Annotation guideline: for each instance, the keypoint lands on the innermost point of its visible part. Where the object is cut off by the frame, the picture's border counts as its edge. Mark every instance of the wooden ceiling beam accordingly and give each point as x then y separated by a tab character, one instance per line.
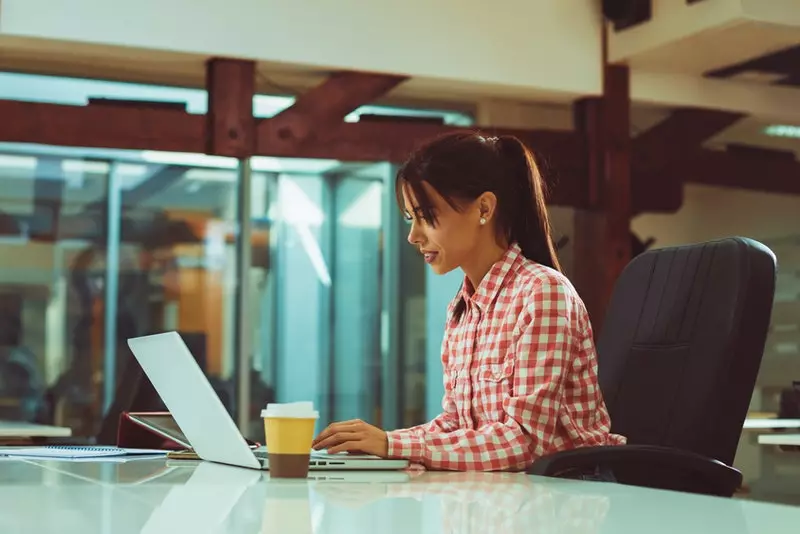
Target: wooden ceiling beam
663	158
323	107
772	171
230	127
684	129
654	186
121	126
559	153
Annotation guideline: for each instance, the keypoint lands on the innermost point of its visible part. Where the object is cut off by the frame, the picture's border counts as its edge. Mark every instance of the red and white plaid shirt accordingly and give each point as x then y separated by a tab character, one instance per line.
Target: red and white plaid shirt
520	376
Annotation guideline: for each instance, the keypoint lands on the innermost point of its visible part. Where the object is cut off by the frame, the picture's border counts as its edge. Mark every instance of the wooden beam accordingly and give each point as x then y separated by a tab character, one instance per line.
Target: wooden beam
323	107
102	126
557	151
602	233
685	129
230	126
589	223
616	173
753	169
655	191
654	187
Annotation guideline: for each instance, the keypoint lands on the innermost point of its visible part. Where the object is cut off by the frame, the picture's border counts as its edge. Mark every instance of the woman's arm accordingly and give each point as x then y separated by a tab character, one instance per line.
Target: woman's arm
545	352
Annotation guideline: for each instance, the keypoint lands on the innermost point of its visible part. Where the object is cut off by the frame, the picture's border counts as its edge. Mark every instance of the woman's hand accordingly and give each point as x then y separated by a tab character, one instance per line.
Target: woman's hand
353	436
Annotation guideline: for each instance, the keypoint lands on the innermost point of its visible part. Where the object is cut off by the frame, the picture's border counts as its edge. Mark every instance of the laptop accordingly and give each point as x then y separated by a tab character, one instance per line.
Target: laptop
203	419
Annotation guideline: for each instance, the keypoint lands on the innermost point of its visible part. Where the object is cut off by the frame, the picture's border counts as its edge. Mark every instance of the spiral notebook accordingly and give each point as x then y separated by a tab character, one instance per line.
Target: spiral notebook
77	451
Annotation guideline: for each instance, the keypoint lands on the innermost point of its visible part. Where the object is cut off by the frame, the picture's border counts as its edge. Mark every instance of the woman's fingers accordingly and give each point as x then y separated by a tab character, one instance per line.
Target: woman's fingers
347	446
334	428
337	438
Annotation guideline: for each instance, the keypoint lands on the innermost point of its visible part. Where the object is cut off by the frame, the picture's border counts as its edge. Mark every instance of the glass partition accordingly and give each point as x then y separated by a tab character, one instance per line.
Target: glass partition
319	280
95	251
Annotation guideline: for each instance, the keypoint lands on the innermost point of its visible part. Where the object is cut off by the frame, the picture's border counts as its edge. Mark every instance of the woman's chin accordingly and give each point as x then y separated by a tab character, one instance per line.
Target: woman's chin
440	268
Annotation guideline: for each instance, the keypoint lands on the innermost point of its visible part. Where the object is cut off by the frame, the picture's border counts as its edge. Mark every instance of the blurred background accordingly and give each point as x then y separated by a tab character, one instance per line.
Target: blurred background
232	178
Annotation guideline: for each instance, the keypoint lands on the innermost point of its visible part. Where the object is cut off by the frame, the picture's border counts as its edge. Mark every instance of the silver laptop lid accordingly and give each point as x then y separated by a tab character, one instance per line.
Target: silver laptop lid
191	400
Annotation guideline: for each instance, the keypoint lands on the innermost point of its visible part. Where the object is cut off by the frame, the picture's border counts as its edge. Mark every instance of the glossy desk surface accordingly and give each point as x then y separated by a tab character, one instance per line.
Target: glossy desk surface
189	497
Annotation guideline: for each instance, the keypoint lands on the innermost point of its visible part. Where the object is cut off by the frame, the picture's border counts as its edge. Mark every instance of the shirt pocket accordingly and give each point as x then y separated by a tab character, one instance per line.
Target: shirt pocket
496	371
493	385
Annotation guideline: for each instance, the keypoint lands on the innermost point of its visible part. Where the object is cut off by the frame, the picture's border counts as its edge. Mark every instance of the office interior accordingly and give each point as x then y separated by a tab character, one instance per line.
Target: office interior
323	299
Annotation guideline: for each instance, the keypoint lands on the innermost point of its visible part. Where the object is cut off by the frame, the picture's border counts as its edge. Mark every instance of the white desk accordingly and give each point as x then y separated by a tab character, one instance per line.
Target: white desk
17	429
779	439
154	496
770	424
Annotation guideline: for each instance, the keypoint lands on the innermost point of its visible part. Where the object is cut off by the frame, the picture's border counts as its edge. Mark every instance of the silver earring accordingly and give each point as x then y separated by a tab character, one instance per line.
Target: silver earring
483	220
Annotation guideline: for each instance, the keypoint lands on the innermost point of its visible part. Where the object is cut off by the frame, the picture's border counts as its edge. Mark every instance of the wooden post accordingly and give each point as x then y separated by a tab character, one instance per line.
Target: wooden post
589	224
602	232
230	125
616	188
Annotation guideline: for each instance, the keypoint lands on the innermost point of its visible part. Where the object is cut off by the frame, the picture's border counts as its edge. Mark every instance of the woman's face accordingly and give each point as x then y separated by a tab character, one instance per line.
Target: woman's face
452	241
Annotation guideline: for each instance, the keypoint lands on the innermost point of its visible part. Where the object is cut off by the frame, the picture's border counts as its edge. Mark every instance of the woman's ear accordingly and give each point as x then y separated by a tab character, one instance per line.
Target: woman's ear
487	206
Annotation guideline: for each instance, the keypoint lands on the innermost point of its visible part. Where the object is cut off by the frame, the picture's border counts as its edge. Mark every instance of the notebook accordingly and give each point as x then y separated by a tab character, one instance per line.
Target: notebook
76	451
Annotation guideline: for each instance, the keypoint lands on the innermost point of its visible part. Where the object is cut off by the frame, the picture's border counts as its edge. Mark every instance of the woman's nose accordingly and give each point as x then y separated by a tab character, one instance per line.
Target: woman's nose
414	235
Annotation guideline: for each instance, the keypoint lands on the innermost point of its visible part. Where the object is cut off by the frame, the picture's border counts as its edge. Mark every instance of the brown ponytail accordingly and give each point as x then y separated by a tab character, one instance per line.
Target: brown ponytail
527	220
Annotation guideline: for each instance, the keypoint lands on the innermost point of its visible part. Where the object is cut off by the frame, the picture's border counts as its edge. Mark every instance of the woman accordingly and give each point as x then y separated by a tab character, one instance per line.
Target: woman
518	353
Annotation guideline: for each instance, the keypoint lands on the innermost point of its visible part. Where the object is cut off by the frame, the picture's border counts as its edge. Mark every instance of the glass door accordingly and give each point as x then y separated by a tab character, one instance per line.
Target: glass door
317	292
355	381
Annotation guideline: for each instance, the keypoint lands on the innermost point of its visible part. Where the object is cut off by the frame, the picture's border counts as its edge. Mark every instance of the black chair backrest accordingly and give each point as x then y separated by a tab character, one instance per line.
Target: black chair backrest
682	344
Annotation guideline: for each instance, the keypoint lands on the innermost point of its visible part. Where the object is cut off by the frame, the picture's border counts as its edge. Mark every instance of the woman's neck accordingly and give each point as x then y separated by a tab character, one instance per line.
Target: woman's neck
482	260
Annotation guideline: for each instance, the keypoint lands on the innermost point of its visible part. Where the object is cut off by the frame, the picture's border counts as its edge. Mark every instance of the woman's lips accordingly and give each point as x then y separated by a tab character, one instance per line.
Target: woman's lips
430	256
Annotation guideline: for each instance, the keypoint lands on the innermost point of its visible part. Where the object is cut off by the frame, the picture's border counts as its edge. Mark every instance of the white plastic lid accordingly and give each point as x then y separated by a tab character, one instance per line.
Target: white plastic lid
294	410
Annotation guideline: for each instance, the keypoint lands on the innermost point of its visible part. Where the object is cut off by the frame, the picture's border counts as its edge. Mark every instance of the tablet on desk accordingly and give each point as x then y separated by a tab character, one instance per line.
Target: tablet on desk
162	424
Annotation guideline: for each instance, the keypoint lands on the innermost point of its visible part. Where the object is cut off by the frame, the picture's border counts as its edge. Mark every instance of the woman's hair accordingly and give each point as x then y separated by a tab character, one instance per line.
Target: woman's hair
462	166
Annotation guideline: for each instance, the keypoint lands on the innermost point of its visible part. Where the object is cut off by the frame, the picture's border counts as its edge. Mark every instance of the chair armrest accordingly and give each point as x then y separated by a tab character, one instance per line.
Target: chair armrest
646	465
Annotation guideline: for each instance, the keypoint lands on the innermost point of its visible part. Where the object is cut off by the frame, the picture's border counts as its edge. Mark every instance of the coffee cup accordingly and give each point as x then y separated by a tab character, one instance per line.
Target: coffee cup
289	430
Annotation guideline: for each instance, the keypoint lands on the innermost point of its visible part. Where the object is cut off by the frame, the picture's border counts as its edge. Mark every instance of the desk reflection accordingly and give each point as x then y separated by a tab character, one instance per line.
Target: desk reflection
154	497
460	503
227	499
204	503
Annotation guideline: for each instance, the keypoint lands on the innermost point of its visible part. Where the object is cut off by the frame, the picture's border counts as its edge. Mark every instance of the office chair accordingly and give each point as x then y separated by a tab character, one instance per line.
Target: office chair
678	358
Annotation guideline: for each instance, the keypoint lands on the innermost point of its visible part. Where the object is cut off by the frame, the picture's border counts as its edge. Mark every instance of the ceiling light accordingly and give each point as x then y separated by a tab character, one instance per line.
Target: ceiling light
298	165
84	166
783	130
190	159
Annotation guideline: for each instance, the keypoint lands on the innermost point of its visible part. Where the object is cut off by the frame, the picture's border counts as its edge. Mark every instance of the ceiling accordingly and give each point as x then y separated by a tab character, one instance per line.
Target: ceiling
719	51
747	131
780	67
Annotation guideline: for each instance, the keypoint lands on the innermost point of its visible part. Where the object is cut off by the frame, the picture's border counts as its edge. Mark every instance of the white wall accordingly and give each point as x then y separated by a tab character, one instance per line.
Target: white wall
773	11
461	40
715	212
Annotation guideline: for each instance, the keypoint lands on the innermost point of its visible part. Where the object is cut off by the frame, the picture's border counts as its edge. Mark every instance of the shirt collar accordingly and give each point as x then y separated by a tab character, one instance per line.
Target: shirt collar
487	290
